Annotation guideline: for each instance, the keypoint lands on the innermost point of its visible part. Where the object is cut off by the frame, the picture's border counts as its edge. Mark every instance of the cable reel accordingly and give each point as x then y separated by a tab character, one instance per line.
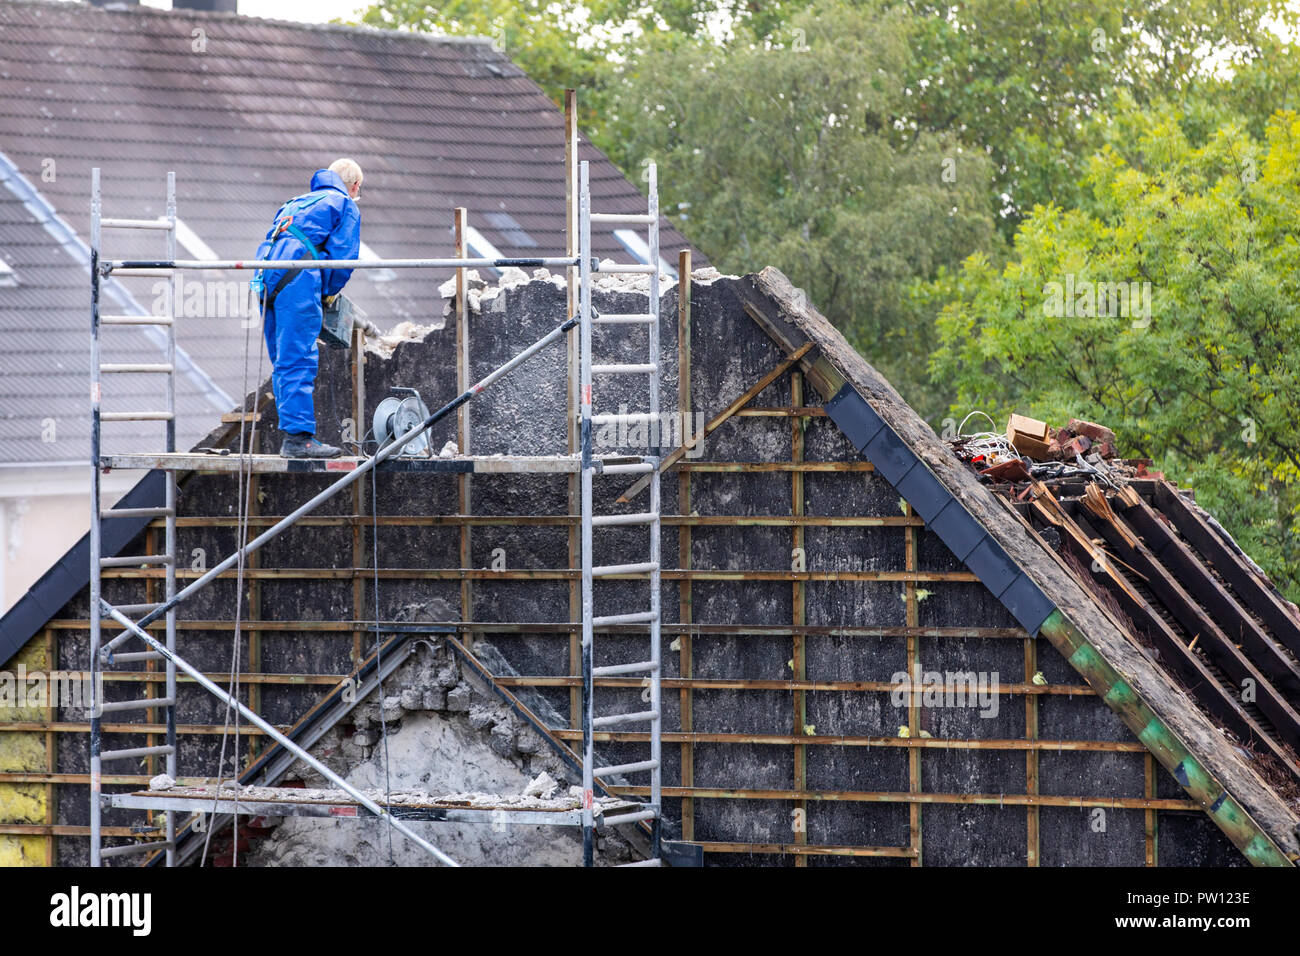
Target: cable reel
395	416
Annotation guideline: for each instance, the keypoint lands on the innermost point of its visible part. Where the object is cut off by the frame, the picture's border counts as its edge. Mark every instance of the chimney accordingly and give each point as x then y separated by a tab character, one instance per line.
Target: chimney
217	6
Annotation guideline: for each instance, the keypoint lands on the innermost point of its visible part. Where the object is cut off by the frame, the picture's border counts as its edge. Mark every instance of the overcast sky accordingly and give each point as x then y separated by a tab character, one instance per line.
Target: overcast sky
306	11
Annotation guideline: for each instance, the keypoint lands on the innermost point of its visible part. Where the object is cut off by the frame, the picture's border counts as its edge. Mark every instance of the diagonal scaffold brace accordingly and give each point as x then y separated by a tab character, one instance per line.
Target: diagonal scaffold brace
135	629
270	731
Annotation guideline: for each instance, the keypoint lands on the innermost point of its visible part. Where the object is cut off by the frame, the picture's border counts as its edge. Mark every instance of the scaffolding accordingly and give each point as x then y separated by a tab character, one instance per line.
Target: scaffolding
582	464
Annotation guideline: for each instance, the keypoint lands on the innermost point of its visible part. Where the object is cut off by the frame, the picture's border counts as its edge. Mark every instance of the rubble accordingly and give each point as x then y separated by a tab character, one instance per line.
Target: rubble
543	785
1030	449
1013	469
385	345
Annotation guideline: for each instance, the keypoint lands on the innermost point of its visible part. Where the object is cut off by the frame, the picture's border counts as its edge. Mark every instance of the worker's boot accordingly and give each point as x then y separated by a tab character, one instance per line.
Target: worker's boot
306	446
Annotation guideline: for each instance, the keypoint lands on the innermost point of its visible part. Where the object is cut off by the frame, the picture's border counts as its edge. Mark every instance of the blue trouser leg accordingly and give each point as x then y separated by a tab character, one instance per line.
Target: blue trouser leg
292	324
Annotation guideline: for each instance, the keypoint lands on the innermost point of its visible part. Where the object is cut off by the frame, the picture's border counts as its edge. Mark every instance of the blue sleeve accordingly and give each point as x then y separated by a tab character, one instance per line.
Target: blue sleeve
344	242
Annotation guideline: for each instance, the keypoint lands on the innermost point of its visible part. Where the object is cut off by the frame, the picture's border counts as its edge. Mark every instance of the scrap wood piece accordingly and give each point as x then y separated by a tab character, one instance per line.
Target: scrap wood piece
1013	469
1051	509
676	455
1095	500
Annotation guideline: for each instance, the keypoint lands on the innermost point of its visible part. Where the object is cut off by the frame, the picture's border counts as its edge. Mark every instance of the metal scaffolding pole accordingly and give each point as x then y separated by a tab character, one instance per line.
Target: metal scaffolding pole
96	683
169	478
115	265
584	437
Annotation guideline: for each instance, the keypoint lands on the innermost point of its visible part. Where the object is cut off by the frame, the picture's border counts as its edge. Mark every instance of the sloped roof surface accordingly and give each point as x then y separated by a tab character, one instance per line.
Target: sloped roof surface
244	110
45	361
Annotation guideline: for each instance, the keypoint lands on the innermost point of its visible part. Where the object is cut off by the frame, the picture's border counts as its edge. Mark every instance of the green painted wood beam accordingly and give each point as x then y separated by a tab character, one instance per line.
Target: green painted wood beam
1160	739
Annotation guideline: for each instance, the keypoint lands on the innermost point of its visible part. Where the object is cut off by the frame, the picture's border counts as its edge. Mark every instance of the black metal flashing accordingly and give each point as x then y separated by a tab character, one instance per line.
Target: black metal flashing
968	540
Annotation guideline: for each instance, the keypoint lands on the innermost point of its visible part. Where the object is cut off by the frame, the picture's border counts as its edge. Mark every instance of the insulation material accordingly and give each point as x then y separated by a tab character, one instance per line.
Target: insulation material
23	752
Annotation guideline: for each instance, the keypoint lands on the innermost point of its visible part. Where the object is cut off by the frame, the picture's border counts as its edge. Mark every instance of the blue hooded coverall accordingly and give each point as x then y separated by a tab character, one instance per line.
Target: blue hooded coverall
330	220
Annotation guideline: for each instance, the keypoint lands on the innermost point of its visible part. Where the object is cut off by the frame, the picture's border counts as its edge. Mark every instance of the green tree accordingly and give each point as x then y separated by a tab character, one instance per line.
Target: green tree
1209	384
563	44
1031	82
779	149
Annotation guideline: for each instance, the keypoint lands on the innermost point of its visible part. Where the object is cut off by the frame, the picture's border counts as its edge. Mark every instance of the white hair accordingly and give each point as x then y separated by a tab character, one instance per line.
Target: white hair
348	169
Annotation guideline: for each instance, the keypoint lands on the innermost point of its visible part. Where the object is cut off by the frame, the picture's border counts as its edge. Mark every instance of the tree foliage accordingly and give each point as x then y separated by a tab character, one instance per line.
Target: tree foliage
1208	384
907	159
568	44
1027	82
780	151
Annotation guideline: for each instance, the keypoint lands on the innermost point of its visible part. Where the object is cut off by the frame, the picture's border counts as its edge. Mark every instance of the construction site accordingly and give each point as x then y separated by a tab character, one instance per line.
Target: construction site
625	563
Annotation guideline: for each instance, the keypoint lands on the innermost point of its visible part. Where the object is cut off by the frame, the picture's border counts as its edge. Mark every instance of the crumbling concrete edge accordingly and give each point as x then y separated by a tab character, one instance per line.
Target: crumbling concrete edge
480	677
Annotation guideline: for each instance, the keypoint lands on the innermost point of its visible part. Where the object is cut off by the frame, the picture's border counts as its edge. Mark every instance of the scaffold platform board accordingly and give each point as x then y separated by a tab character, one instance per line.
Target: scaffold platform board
271	464
560	810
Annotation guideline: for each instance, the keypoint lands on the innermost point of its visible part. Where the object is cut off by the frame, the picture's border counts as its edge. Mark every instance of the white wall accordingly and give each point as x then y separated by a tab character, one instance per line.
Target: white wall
44	511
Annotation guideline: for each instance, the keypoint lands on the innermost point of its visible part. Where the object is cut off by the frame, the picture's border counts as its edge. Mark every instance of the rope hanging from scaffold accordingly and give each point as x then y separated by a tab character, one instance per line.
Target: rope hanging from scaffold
243	508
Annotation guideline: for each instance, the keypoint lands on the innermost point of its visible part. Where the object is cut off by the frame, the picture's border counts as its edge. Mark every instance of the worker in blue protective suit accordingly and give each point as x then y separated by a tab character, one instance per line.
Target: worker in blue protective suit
322	224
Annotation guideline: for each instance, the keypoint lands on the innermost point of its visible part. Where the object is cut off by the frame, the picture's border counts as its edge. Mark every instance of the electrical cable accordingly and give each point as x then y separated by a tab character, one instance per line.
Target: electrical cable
990	445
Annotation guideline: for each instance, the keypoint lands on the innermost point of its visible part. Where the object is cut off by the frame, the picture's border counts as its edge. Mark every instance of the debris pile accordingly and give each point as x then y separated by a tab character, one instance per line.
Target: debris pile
1029	449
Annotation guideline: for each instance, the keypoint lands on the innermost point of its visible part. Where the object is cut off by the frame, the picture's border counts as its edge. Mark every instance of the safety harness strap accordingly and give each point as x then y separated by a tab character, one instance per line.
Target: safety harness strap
310	250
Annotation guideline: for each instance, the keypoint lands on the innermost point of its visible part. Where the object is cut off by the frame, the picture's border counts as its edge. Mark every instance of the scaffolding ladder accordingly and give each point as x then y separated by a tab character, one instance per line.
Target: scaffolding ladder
100	706
591	468
587	464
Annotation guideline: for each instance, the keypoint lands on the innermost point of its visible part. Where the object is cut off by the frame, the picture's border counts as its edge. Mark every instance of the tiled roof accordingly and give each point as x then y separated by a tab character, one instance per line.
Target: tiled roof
243	118
45	361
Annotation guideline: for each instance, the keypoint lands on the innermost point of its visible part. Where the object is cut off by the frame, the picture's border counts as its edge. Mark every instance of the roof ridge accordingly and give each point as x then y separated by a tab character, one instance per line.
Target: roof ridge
186	13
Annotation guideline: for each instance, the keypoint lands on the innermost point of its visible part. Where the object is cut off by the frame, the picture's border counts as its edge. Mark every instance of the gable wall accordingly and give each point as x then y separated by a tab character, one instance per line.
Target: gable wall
866	795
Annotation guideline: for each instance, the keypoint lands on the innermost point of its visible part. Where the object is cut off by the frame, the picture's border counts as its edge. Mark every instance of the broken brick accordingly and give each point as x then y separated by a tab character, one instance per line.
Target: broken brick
1078	445
1098	433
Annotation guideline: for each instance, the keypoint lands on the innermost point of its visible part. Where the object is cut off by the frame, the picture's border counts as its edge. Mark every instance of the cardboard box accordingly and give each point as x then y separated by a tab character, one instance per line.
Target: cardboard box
1028	436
